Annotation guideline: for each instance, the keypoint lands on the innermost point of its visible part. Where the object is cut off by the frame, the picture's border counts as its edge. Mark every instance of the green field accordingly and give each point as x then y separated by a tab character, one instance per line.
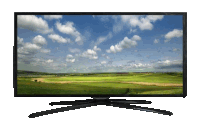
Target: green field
104	84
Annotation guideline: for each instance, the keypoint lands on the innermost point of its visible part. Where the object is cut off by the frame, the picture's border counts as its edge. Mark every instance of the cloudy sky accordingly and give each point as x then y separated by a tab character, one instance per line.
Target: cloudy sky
88	43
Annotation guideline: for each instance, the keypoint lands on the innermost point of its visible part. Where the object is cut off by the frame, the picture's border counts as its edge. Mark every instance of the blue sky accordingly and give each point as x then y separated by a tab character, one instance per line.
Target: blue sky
109	43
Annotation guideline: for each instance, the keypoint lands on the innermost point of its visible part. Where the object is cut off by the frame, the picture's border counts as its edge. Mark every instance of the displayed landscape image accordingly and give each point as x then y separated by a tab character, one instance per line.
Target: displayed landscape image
99	54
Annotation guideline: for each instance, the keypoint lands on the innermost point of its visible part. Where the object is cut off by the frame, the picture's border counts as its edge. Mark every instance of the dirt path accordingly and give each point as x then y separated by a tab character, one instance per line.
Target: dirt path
42	80
156	84
140	83
38	79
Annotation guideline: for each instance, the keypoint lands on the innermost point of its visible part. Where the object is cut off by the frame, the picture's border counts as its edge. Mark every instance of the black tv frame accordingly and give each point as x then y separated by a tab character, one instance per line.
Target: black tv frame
103	13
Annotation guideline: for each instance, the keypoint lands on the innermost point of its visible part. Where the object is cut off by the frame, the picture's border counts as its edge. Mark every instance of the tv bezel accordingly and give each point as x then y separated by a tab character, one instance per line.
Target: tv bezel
103	13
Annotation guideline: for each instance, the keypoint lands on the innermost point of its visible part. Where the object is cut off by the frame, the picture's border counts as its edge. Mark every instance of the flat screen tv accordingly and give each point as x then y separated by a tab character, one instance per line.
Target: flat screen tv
100	55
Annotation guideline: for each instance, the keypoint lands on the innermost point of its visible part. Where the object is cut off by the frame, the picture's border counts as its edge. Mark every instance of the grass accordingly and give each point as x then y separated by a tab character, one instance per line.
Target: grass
153	78
29	87
108	84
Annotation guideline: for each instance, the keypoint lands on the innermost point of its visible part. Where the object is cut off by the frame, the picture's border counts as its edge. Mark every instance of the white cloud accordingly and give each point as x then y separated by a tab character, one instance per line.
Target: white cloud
49	61
28	49
103	38
19	40
175	49
65	65
155	17
167	64
48	64
69	29
103	18
100	40
94	57
105	56
172	34
75	50
58	38
144	23
91	54
50	17
118	27
166	61
118	23
140	65
20	55
31	46
175	33
166	41
87	34
156	41
126	18
96	48
70	58
79	40
125	43
45	50
132	31
103	62
136	38
114	49
33	23
39	40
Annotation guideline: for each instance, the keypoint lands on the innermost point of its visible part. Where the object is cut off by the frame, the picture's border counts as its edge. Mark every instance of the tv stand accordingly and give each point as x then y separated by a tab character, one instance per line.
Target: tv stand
121	103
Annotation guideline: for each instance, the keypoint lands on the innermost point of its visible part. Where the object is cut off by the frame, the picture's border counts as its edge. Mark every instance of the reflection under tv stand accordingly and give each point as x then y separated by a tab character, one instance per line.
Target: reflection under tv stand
121	103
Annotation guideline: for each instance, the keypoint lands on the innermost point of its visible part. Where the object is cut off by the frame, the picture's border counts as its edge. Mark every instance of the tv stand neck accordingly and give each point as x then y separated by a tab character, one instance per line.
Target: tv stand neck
100	98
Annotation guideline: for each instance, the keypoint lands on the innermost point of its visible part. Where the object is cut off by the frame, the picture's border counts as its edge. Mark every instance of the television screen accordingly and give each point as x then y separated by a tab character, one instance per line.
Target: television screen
100	54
